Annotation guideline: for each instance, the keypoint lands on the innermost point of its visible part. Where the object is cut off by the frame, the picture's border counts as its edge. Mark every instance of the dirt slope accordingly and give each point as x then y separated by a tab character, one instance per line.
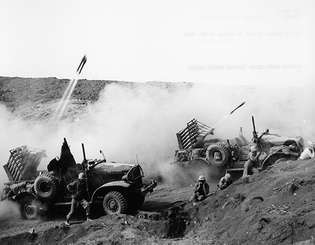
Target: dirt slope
37	98
276	207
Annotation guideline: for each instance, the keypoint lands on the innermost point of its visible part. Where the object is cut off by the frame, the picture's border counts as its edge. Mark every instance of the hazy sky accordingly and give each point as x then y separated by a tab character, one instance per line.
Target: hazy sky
225	40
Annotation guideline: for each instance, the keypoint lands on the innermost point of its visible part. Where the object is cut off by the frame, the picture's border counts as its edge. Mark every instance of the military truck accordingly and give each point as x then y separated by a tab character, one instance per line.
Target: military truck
117	187
230	155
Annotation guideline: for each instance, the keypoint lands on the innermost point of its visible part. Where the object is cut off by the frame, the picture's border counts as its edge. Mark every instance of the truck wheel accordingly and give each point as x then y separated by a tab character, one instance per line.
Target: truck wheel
29	207
45	186
218	155
115	203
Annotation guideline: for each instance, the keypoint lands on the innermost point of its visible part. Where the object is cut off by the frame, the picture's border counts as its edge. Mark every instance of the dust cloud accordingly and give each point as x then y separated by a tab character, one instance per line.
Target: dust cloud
138	123
8	210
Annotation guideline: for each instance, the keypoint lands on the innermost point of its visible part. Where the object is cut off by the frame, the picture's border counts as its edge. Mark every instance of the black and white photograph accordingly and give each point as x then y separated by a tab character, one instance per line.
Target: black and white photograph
157	122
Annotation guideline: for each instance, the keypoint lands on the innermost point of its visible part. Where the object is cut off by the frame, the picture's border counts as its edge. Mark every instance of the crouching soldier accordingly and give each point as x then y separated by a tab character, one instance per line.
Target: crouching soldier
78	188
308	152
225	181
201	189
253	161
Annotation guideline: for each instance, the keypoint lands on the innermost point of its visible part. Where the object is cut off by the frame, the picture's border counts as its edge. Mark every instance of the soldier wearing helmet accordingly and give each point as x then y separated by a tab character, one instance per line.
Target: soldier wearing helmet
308	152
251	162
225	181
80	197
201	189
201	178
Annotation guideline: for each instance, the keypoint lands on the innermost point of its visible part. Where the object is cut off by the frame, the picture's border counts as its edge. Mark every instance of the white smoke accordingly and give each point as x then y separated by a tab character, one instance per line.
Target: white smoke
8	210
65	99
140	122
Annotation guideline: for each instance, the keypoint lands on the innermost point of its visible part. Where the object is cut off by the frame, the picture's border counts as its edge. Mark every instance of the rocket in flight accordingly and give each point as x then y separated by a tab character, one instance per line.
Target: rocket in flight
81	65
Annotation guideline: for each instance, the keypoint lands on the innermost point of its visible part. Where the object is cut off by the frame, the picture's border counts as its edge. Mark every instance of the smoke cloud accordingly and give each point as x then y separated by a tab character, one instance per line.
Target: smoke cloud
8	210
139	123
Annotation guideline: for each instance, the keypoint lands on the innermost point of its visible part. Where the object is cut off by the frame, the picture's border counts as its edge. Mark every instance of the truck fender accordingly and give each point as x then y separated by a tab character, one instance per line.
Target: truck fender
275	156
109	186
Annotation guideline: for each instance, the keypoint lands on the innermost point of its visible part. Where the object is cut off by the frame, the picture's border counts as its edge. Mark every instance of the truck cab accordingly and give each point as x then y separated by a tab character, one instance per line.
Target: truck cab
117	187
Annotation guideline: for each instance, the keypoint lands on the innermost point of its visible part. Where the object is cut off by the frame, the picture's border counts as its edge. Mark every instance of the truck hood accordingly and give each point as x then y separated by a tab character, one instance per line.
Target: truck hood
279	140
114	167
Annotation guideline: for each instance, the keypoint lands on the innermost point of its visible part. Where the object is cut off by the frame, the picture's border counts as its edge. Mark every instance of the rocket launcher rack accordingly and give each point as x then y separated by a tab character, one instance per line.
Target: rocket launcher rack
188	136
23	163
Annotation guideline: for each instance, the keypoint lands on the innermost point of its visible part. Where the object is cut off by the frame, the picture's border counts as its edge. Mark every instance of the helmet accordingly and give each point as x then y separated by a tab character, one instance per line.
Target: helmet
227	176
310	144
201	178
81	176
253	148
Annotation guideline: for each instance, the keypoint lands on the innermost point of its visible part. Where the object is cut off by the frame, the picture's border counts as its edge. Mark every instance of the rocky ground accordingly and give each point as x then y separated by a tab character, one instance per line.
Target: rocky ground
277	206
37	98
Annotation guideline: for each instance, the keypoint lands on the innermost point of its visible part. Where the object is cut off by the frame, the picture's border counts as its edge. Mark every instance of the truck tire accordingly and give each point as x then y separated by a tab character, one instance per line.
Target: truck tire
115	202
222	150
28	207
45	186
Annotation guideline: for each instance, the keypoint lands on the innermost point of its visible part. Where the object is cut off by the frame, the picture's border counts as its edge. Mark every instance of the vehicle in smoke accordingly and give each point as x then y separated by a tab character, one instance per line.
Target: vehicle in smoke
118	188
230	155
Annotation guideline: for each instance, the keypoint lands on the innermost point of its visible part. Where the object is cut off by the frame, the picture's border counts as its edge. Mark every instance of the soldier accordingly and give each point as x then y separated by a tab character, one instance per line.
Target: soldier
308	152
225	181
78	188
201	189
251	162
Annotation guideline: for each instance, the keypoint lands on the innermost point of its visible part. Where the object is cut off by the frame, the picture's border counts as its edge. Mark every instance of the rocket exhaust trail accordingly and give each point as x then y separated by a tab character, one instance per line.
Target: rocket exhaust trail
67	98
68	92
65	94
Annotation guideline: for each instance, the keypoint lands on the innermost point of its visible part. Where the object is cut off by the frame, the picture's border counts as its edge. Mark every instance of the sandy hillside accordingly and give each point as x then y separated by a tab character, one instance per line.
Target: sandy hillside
276	207
37	98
